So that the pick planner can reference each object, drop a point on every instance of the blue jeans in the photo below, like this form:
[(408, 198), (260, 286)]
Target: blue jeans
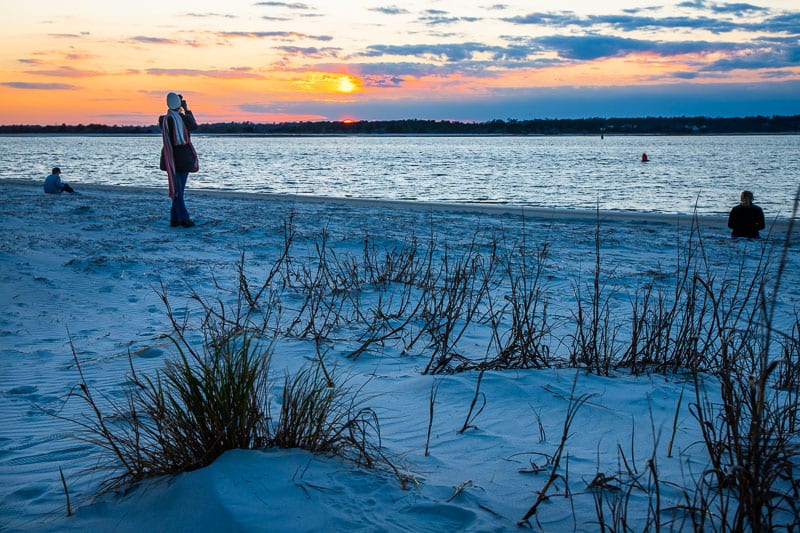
[(179, 213)]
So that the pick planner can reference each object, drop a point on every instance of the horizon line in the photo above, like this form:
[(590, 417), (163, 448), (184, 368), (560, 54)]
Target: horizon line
[(353, 121)]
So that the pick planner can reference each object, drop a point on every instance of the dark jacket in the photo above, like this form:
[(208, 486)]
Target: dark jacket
[(185, 156), (746, 221)]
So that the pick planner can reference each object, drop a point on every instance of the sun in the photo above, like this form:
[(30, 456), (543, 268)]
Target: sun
[(346, 84), (329, 83)]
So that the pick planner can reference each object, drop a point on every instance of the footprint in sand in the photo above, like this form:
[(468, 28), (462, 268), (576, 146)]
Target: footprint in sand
[(24, 390), (151, 353)]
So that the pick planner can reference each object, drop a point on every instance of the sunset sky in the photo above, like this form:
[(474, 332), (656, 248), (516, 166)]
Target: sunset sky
[(85, 61)]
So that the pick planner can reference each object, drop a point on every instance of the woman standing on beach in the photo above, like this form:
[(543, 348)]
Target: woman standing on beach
[(178, 156)]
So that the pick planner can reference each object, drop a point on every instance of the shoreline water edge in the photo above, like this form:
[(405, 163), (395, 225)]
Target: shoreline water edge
[(776, 227)]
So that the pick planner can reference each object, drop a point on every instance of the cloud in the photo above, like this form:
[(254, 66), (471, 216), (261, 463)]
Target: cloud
[(685, 75), (785, 22), (311, 52), (288, 5), (396, 73), (151, 40), (211, 15), (39, 86), (79, 56), (448, 52), (390, 10), (232, 73), (67, 72), (696, 4), (392, 73), (472, 59), (778, 74), (436, 17), (273, 35), (482, 61), (590, 47), (543, 19), (383, 81), (766, 56), (631, 23), (737, 9), (435, 20), (625, 22), (68, 35)]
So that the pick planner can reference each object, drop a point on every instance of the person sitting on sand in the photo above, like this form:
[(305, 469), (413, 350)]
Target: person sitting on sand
[(54, 185), (746, 219)]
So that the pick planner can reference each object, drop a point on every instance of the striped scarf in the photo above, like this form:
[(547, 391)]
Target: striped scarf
[(181, 138)]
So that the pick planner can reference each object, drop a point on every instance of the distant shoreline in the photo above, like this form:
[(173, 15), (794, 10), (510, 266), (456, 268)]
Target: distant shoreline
[(433, 135), (774, 125)]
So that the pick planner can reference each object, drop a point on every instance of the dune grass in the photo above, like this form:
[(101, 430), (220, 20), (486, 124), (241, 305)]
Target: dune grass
[(422, 299), (215, 395)]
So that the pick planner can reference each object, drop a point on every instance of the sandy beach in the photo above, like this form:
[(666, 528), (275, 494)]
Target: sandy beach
[(83, 272)]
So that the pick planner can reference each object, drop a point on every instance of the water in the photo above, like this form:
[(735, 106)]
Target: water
[(563, 172)]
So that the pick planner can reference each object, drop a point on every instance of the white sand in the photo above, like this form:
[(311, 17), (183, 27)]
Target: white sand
[(85, 267)]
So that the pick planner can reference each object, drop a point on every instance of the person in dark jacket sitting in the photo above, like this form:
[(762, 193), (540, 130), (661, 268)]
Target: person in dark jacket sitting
[(178, 156), (746, 219), (54, 185)]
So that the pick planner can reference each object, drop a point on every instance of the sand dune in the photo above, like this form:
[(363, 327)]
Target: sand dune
[(85, 269)]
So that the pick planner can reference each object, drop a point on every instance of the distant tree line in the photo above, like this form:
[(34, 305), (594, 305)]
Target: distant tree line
[(580, 126)]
